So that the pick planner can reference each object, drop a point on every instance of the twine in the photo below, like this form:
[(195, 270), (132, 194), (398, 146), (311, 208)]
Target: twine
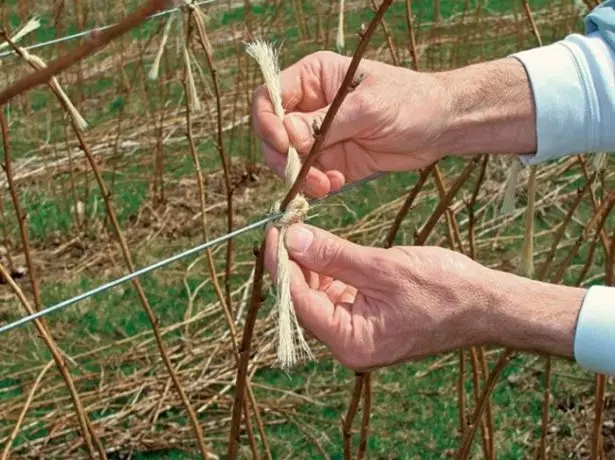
[(39, 64), (192, 93), (291, 342), (508, 203), (27, 28), (339, 39), (153, 73)]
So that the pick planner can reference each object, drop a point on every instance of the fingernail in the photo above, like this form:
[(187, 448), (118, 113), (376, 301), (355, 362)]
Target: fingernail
[(298, 239), (279, 169)]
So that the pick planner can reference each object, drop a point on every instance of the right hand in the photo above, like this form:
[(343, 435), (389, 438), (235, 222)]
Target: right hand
[(392, 121), (373, 307)]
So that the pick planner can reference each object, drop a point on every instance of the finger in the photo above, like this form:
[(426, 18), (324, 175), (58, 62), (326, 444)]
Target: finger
[(303, 127), (302, 88), (336, 179), (317, 182), (330, 323), (329, 255)]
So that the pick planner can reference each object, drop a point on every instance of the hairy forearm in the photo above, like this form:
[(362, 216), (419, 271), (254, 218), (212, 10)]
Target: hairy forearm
[(491, 109), (543, 103), (533, 316)]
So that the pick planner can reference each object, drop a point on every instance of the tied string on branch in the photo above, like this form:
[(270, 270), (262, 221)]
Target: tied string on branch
[(291, 343), (183, 38), (39, 64)]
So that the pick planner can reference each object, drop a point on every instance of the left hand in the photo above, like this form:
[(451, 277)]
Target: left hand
[(374, 307)]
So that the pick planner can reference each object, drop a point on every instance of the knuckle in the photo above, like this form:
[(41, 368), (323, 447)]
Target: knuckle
[(259, 93), (356, 360), (325, 55), (365, 103), (328, 253)]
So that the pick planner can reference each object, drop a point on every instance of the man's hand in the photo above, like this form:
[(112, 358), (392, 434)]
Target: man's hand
[(395, 119), (391, 121), (375, 307)]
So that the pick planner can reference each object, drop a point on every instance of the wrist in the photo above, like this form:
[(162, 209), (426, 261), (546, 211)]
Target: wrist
[(531, 315), (490, 109)]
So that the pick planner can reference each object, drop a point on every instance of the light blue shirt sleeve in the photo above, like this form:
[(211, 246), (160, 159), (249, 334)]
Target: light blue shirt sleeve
[(594, 339), (573, 85), (602, 20)]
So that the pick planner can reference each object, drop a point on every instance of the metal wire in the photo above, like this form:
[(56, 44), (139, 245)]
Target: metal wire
[(174, 258), (86, 32)]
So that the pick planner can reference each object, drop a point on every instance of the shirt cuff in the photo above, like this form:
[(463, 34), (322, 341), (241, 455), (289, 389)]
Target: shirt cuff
[(574, 95), (594, 340)]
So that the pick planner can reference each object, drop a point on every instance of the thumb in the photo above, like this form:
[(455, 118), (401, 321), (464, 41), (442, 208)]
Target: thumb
[(330, 255), (300, 126)]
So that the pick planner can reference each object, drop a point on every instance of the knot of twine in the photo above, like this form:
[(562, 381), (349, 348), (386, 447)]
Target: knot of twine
[(296, 211), (39, 64), (291, 344)]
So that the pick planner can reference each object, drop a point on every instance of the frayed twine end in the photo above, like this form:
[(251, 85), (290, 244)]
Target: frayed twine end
[(291, 343), (75, 115), (339, 39), (508, 203)]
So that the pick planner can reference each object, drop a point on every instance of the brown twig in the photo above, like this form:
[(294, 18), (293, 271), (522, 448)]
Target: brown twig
[(610, 263), (597, 448), (201, 33), (259, 269), (487, 452), (389, 39), (559, 234), (470, 207), (244, 353), (6, 241), (412, 35), (598, 220), (359, 381), (489, 413), (24, 411), (422, 236), (403, 211), (96, 40), (341, 94), (478, 353), (546, 403), (250, 431), (461, 392), (214, 277), (452, 230), (466, 444), (367, 409), (589, 260), (142, 297), (530, 18), (595, 203), (87, 431), (140, 292)]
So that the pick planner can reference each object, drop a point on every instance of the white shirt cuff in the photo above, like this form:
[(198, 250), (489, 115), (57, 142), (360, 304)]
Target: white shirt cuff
[(594, 340), (573, 84)]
